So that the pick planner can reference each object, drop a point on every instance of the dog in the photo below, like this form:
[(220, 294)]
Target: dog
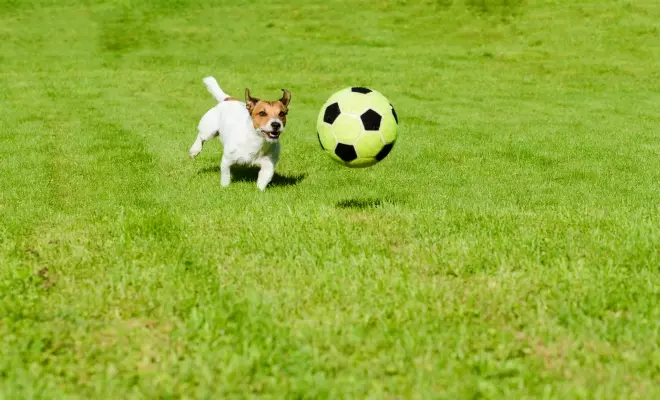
[(249, 131)]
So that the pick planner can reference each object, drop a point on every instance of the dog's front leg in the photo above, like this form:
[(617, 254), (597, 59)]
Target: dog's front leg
[(225, 172), (265, 173)]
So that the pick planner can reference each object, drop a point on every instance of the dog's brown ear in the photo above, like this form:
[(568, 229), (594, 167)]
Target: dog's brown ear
[(250, 101), (286, 97)]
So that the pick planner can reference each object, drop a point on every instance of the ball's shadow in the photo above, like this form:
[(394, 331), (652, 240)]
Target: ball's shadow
[(240, 173), (360, 203)]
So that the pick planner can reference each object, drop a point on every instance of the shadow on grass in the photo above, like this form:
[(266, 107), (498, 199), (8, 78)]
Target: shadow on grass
[(241, 173), (362, 203)]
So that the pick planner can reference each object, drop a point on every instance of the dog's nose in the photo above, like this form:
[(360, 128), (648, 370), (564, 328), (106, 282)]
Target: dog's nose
[(275, 125)]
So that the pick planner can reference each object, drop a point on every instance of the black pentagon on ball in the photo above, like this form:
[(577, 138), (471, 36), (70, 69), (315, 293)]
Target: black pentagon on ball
[(331, 113), (371, 120), (363, 90), (384, 151), (396, 118), (346, 152)]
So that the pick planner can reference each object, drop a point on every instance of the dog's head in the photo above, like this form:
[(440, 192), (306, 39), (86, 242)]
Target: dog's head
[(268, 117)]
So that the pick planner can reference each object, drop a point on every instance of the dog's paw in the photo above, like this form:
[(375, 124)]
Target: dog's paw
[(195, 149)]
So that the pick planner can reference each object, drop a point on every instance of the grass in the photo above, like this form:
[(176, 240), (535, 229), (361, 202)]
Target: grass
[(508, 247)]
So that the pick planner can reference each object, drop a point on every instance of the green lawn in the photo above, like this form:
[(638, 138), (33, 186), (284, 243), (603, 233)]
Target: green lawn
[(508, 247)]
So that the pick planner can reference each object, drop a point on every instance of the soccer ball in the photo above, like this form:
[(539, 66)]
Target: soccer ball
[(357, 127)]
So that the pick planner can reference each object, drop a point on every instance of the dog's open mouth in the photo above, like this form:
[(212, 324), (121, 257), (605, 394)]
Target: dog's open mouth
[(273, 135)]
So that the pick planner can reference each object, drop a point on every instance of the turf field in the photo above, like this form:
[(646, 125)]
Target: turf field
[(508, 247)]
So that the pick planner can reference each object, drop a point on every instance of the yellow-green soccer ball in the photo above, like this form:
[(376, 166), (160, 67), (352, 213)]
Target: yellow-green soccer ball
[(357, 127)]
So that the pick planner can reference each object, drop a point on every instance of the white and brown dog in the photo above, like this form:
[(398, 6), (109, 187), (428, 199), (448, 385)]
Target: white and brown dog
[(249, 131)]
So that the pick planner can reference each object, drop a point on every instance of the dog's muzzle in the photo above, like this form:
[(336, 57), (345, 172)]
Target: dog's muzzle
[(274, 131)]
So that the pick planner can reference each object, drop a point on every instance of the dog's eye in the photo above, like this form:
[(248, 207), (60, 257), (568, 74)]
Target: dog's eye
[(282, 114), (262, 113)]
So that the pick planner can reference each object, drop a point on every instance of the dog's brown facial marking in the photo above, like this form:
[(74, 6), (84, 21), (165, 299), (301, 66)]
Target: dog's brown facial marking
[(265, 111), (269, 117)]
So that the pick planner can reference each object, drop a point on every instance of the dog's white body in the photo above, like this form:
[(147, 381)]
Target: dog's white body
[(242, 143)]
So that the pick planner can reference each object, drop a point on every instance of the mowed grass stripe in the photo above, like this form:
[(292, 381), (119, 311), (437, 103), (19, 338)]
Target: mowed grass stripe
[(85, 161), (23, 170)]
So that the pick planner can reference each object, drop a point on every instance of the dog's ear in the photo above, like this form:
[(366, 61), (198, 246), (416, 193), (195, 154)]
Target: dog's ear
[(250, 101), (286, 97)]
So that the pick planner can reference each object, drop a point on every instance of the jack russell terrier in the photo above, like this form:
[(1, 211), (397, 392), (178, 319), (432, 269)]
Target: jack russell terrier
[(249, 131)]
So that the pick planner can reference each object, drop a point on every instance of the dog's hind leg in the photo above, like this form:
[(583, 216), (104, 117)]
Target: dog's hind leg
[(206, 131), (202, 137)]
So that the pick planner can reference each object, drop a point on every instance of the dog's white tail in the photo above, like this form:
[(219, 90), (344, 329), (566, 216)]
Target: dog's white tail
[(214, 89)]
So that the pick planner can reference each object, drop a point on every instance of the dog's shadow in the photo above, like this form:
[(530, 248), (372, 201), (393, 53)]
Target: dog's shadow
[(240, 173)]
